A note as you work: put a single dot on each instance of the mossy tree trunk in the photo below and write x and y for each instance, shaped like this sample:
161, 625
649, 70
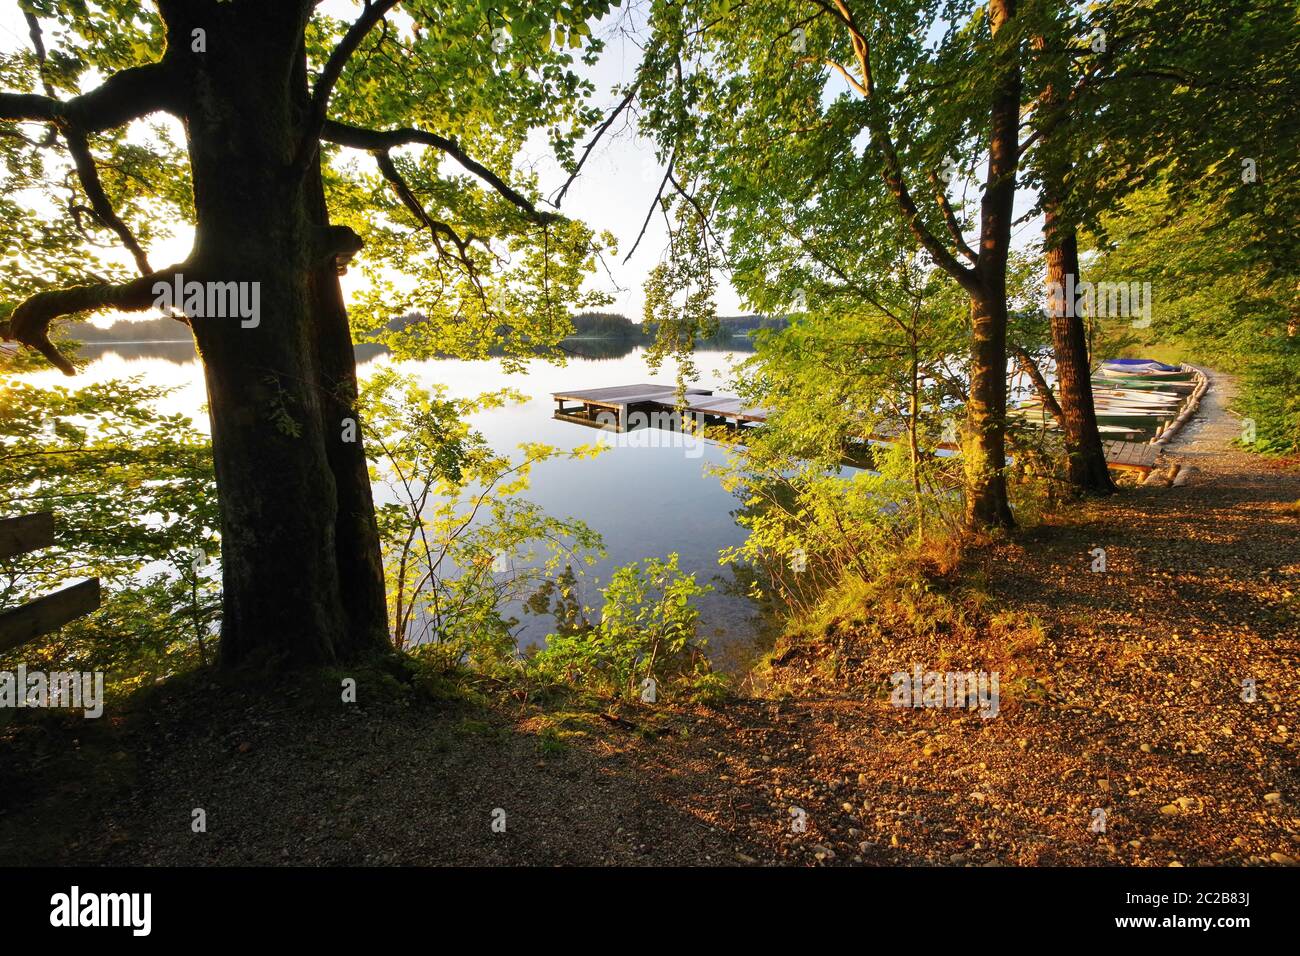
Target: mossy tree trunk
303, 579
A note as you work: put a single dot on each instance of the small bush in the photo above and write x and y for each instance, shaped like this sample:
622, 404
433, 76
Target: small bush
647, 631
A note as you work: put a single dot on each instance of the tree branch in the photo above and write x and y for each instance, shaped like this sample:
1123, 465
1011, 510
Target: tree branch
852, 80
320, 98
124, 96
30, 322
38, 42
357, 137
558, 196
893, 172
654, 204
79, 147
705, 225
99, 204
1030, 368
416, 208
950, 220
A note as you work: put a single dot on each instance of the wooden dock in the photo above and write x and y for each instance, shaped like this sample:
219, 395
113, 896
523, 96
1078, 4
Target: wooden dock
611, 407
724, 406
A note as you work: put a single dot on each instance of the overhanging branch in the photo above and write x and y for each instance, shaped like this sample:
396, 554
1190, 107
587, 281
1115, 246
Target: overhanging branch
439, 230
30, 322
79, 146
378, 141
654, 204
103, 209
893, 171
124, 96
603, 128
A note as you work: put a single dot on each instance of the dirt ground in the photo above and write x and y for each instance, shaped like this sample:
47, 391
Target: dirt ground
1125, 731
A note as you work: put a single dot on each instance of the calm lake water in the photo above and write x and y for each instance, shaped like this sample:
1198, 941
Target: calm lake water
645, 501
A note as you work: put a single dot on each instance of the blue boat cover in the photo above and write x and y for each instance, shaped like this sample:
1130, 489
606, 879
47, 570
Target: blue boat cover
1140, 364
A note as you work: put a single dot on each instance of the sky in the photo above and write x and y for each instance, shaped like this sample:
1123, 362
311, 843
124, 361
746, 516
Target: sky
619, 181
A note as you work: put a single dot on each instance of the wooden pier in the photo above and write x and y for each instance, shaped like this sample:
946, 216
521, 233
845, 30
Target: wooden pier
611, 408
726, 407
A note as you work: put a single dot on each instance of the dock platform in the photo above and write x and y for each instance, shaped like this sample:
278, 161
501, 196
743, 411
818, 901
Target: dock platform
610, 407
724, 406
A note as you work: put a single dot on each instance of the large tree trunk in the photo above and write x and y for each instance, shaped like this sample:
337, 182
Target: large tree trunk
1088, 472
984, 453
1086, 458
302, 575
984, 448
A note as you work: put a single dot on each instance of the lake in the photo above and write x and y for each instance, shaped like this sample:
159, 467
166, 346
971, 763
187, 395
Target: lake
647, 496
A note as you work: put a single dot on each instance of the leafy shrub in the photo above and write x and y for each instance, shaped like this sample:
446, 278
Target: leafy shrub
647, 630
134, 499
461, 543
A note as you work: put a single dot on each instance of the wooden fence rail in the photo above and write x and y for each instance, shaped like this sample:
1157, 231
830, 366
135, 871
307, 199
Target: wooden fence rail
26, 533
48, 612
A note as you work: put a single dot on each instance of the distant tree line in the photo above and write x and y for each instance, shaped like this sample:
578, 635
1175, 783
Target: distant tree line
615, 325
140, 330
606, 325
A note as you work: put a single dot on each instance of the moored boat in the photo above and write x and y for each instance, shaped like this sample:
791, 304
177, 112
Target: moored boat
1141, 365
1111, 374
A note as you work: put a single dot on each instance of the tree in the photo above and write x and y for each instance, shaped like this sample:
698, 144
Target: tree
1202, 120
267, 93
871, 379
1221, 89
1222, 302
1063, 58
748, 101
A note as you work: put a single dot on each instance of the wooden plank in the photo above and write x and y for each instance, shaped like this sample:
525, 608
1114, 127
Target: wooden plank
617, 395
611, 394
47, 613
726, 406
26, 533
1130, 456
720, 404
